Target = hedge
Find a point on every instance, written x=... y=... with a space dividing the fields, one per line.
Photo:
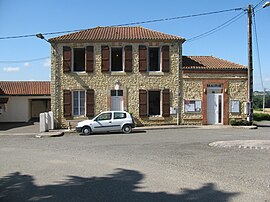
x=261 y=117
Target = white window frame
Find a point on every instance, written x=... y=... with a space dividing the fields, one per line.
x=123 y=58
x=74 y=60
x=79 y=103
x=159 y=61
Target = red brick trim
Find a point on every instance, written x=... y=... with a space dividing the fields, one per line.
x=225 y=85
x=205 y=71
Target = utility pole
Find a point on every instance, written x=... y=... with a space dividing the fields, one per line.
x=250 y=65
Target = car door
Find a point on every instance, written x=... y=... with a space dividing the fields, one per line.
x=118 y=120
x=103 y=122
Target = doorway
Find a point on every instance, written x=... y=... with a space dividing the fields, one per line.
x=117 y=100
x=214 y=104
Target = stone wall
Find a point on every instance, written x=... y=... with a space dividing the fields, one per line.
x=102 y=82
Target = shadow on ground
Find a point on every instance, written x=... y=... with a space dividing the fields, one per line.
x=122 y=185
x=113 y=133
x=11 y=125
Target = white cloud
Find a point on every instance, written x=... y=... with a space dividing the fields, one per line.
x=11 y=69
x=26 y=64
x=47 y=63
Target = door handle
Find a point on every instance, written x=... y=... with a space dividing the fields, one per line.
x=110 y=122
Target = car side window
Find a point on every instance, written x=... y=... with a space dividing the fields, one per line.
x=104 y=117
x=119 y=115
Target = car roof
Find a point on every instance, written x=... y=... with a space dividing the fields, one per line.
x=113 y=111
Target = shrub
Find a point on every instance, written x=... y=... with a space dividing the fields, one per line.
x=242 y=122
x=261 y=117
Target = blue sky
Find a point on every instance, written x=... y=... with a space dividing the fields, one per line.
x=28 y=17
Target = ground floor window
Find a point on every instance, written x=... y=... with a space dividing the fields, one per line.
x=78 y=103
x=154 y=103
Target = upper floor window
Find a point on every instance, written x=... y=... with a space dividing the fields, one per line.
x=154 y=59
x=116 y=59
x=78 y=59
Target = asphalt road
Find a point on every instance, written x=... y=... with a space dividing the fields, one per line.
x=155 y=165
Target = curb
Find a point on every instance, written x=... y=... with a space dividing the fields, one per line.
x=50 y=134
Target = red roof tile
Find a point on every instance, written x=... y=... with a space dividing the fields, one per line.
x=25 y=88
x=116 y=34
x=209 y=62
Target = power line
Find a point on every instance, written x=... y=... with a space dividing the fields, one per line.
x=258 y=50
x=218 y=28
x=22 y=61
x=259 y=4
x=128 y=24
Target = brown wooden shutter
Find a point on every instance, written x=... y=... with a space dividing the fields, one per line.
x=166 y=103
x=67 y=59
x=165 y=58
x=128 y=59
x=90 y=103
x=67 y=103
x=142 y=58
x=89 y=59
x=142 y=103
x=105 y=56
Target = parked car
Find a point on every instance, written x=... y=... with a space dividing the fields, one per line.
x=108 y=121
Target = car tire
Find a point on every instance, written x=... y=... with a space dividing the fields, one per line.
x=86 y=130
x=127 y=129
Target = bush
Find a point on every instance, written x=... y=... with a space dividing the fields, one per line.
x=261 y=117
x=242 y=122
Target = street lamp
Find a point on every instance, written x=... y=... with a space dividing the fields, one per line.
x=250 y=12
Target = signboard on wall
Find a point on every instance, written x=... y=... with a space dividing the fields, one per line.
x=192 y=105
x=234 y=106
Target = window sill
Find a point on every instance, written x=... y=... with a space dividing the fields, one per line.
x=156 y=73
x=156 y=118
x=118 y=74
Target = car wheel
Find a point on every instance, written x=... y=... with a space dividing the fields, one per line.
x=86 y=130
x=126 y=129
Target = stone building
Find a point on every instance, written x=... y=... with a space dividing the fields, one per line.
x=214 y=90
x=116 y=68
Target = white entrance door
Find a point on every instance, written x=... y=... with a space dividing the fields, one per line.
x=117 y=100
x=214 y=108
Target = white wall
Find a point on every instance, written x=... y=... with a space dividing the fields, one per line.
x=18 y=109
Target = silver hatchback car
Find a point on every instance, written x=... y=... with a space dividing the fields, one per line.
x=108 y=121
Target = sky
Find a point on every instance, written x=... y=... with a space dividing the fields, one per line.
x=28 y=58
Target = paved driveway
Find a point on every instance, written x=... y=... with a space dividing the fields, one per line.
x=158 y=165
x=19 y=128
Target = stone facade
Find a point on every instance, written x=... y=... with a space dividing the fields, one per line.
x=233 y=87
x=103 y=82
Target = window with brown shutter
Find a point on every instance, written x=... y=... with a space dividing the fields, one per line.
x=67 y=59
x=142 y=58
x=165 y=59
x=166 y=103
x=128 y=59
x=142 y=103
x=105 y=56
x=90 y=103
x=154 y=59
x=89 y=59
x=67 y=103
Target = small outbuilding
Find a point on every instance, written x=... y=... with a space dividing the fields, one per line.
x=215 y=91
x=21 y=101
